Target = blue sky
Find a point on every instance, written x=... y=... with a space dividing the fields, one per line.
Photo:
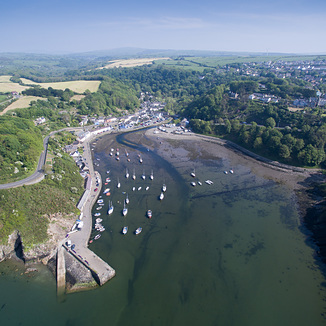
x=70 y=26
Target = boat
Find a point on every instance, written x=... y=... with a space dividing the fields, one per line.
x=209 y=182
x=111 y=208
x=97 y=214
x=100 y=201
x=108 y=171
x=125 y=230
x=127 y=199
x=133 y=188
x=193 y=174
x=138 y=230
x=161 y=196
x=151 y=175
x=149 y=213
x=225 y=172
x=127 y=174
x=140 y=159
x=107 y=179
x=118 y=158
x=164 y=188
x=98 y=208
x=139 y=188
x=98 y=220
x=199 y=183
x=134 y=175
x=97 y=236
x=193 y=184
x=127 y=154
x=231 y=171
x=125 y=210
x=147 y=188
x=106 y=191
x=143 y=176
x=110 y=153
x=118 y=185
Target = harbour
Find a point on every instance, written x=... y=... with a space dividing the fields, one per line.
x=225 y=253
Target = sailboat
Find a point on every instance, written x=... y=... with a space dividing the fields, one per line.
x=151 y=175
x=127 y=199
x=193 y=174
x=110 y=210
x=125 y=230
x=134 y=175
x=143 y=175
x=161 y=196
x=140 y=159
x=118 y=185
x=127 y=174
x=125 y=210
x=164 y=188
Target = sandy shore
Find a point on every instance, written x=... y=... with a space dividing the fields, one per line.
x=192 y=146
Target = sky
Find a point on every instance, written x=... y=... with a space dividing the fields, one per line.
x=74 y=26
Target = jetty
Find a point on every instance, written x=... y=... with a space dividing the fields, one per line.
x=74 y=257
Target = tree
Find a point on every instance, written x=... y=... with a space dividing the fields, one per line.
x=270 y=122
x=284 y=151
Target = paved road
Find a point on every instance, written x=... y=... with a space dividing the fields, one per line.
x=38 y=175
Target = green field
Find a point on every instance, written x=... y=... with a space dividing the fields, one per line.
x=201 y=63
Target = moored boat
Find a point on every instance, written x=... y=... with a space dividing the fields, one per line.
x=161 y=196
x=125 y=210
x=119 y=184
x=151 y=175
x=125 y=230
x=111 y=208
x=97 y=236
x=193 y=184
x=127 y=199
x=97 y=214
x=127 y=174
x=138 y=230
x=164 y=188
x=149 y=213
x=193 y=174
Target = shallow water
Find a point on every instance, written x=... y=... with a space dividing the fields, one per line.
x=230 y=253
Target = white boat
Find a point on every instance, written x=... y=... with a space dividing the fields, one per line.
x=100 y=201
x=127 y=154
x=199 y=183
x=231 y=171
x=125 y=230
x=147 y=188
x=118 y=185
x=193 y=184
x=125 y=210
x=149 y=213
x=161 y=196
x=134 y=175
x=97 y=214
x=108 y=171
x=127 y=199
x=151 y=175
x=98 y=208
x=164 y=188
x=97 y=236
x=133 y=188
x=139 y=188
x=225 y=172
x=106 y=191
x=209 y=182
x=138 y=230
x=98 y=220
x=111 y=208
x=140 y=159
x=143 y=176
x=193 y=174
x=127 y=174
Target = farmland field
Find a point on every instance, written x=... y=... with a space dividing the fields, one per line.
x=131 y=62
x=23 y=102
x=7 y=86
x=78 y=86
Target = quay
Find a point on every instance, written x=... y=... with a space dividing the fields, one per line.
x=90 y=266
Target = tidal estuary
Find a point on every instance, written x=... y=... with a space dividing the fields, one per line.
x=230 y=253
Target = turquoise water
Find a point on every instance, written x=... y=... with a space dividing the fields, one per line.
x=226 y=254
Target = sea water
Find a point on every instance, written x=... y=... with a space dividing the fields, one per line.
x=230 y=253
